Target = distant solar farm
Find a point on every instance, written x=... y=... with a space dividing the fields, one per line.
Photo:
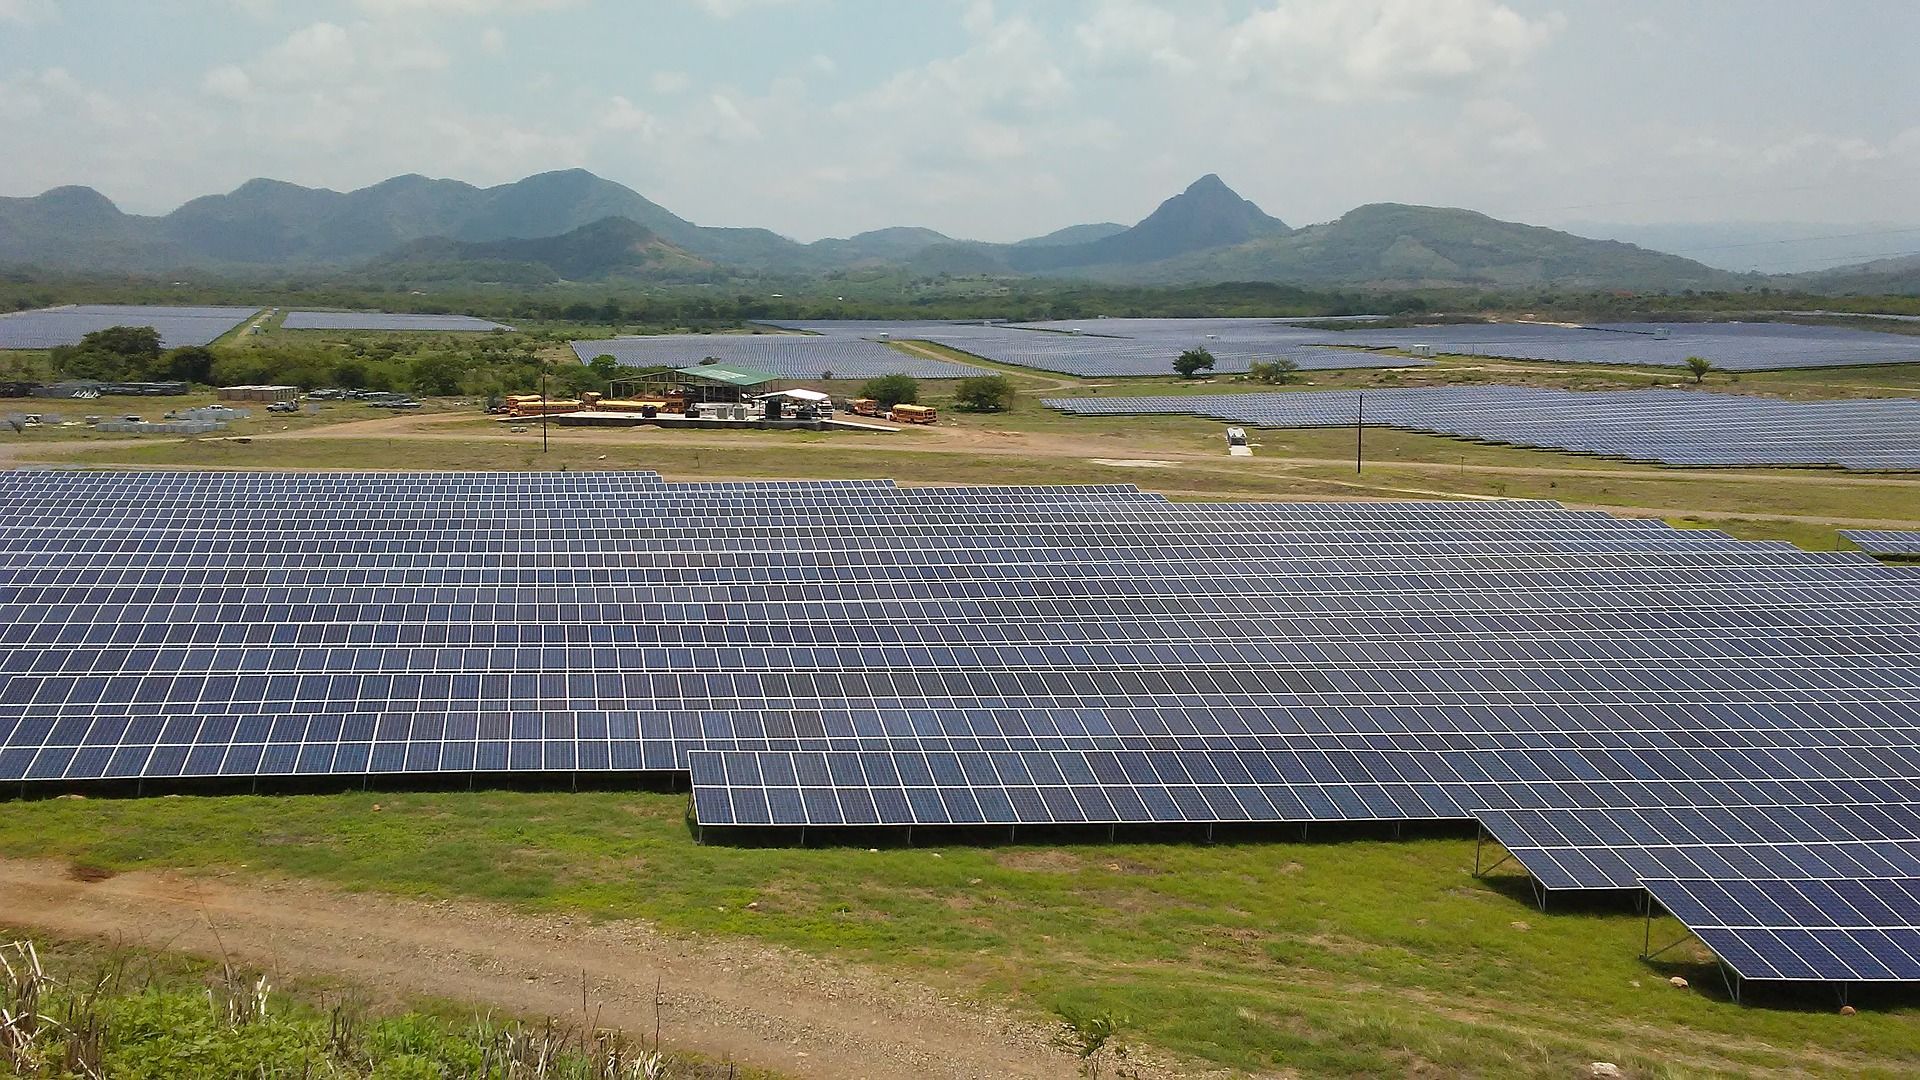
x=1120 y=347
x=1730 y=346
x=1675 y=427
x=47 y=328
x=381 y=320
x=795 y=356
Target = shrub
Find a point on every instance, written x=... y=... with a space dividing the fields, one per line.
x=891 y=390
x=984 y=393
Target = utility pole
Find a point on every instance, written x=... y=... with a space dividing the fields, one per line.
x=1359 y=428
x=543 y=410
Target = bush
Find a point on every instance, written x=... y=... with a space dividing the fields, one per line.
x=1282 y=370
x=984 y=393
x=891 y=390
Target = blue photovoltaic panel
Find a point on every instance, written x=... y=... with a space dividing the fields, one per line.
x=48 y=328
x=1730 y=346
x=1678 y=427
x=1117 y=347
x=1885 y=541
x=1827 y=930
x=856 y=652
x=1100 y=347
x=793 y=356
x=381 y=320
x=1618 y=847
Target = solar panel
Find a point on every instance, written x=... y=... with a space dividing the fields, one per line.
x=382 y=320
x=796 y=356
x=1902 y=544
x=1102 y=347
x=1729 y=346
x=819 y=653
x=1677 y=427
x=48 y=328
x=1117 y=347
x=1619 y=847
x=1830 y=930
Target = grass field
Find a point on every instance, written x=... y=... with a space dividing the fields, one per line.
x=1340 y=957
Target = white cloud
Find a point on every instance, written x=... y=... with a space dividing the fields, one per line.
x=729 y=123
x=393 y=8
x=228 y=81
x=1342 y=50
x=727 y=9
x=321 y=51
x=493 y=41
x=669 y=82
x=1130 y=36
x=624 y=116
x=28 y=12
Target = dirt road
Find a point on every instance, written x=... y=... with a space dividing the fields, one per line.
x=727 y=999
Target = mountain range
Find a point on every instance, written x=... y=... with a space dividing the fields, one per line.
x=574 y=226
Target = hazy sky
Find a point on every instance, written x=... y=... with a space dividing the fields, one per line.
x=993 y=120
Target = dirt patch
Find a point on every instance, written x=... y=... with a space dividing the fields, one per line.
x=732 y=999
x=1045 y=861
x=1134 y=463
x=83 y=872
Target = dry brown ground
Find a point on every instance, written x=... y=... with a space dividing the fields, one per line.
x=728 y=999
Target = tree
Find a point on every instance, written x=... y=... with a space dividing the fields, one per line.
x=118 y=352
x=1699 y=366
x=132 y=342
x=1282 y=370
x=1193 y=362
x=351 y=374
x=984 y=393
x=189 y=363
x=436 y=373
x=605 y=368
x=891 y=390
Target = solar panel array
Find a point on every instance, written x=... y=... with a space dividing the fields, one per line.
x=794 y=356
x=1830 y=931
x=1730 y=346
x=47 y=328
x=1099 y=347
x=1119 y=347
x=831 y=653
x=1901 y=544
x=382 y=320
x=1675 y=427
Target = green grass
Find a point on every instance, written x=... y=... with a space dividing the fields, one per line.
x=1360 y=957
x=138 y=1013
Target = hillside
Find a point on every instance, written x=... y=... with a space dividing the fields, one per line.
x=1208 y=214
x=610 y=247
x=280 y=224
x=1899 y=275
x=555 y=226
x=1390 y=244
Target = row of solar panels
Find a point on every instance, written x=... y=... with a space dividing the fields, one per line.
x=828 y=654
x=1669 y=426
x=790 y=356
x=47 y=328
x=1103 y=347
x=1890 y=542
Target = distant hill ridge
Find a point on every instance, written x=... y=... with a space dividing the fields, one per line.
x=572 y=224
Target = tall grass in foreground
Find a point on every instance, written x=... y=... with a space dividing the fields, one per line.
x=119 y=1022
